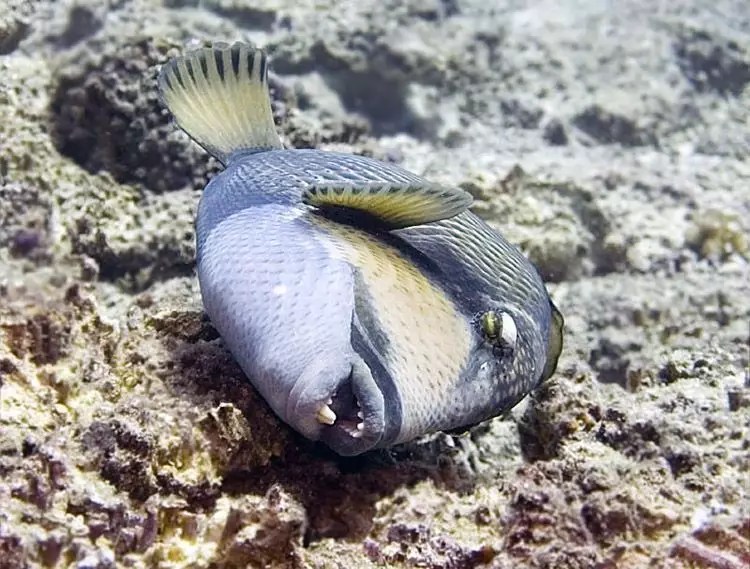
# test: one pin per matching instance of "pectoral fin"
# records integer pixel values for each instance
(554, 343)
(395, 205)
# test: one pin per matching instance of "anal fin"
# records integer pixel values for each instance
(395, 205)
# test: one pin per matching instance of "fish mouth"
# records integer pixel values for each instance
(342, 410)
(348, 416)
(359, 408)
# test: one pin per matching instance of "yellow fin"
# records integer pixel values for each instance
(219, 96)
(396, 205)
(555, 343)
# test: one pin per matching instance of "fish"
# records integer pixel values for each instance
(367, 305)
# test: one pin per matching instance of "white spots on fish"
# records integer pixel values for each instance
(279, 290)
(509, 334)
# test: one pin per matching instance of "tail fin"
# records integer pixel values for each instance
(219, 96)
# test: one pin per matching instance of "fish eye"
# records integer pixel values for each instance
(490, 322)
(498, 329)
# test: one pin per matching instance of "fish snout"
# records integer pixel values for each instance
(337, 401)
(505, 365)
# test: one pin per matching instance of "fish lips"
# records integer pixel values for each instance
(354, 397)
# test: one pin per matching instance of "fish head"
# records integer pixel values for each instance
(507, 360)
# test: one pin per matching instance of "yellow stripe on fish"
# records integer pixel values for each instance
(429, 338)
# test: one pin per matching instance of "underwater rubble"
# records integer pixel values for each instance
(616, 161)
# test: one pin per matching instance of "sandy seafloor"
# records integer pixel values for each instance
(609, 140)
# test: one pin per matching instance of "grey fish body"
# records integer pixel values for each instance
(367, 305)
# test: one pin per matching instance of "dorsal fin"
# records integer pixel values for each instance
(395, 205)
(219, 96)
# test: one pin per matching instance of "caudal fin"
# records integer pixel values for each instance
(219, 96)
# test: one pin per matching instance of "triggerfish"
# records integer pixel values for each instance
(367, 305)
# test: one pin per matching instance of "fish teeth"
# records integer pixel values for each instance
(354, 432)
(360, 414)
(326, 415)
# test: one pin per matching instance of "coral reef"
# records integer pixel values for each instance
(616, 160)
(107, 116)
